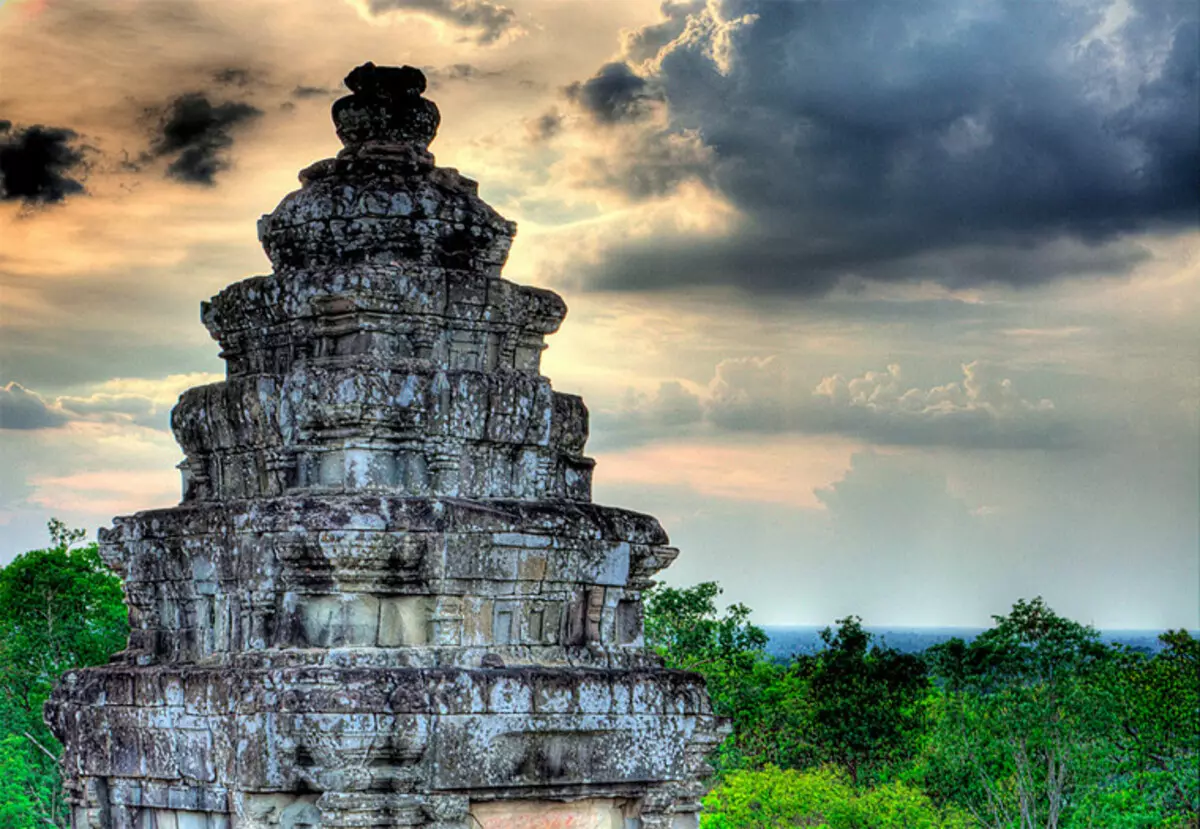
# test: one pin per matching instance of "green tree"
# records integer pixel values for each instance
(1022, 720)
(1150, 769)
(29, 785)
(764, 701)
(775, 797)
(60, 609)
(898, 805)
(684, 626)
(865, 701)
(822, 798)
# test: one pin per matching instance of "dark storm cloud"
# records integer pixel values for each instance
(23, 409)
(491, 21)
(615, 93)
(952, 140)
(197, 134)
(544, 127)
(38, 164)
(233, 77)
(649, 166)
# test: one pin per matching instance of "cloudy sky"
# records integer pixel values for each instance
(886, 308)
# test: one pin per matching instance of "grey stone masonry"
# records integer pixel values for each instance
(386, 598)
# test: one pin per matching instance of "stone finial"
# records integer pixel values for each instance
(385, 106)
(392, 82)
(382, 199)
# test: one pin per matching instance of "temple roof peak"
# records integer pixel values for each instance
(385, 106)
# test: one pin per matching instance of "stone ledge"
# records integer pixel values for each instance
(444, 691)
(305, 513)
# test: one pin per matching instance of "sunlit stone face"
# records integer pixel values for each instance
(596, 813)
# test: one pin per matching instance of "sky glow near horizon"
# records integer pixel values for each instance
(881, 308)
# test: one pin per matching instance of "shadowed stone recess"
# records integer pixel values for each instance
(386, 598)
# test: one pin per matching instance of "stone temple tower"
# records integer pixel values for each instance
(386, 598)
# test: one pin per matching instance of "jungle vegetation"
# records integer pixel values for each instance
(1034, 724)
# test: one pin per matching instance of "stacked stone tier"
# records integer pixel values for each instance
(415, 380)
(448, 318)
(396, 581)
(404, 428)
(221, 742)
(385, 202)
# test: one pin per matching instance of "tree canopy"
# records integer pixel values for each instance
(1034, 724)
(60, 608)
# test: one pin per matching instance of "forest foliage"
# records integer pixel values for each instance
(60, 608)
(1034, 724)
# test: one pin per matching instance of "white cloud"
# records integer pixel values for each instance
(983, 410)
(84, 473)
(134, 400)
(146, 402)
(981, 390)
(487, 21)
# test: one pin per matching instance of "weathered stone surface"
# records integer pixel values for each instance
(386, 598)
(593, 813)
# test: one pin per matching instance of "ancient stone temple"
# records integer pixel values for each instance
(386, 598)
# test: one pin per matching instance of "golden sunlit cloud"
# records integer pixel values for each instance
(489, 23)
(164, 390)
(27, 8)
(105, 493)
(786, 470)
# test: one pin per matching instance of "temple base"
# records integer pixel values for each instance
(163, 747)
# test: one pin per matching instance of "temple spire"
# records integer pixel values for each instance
(385, 106)
(387, 599)
(383, 199)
